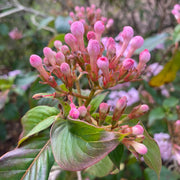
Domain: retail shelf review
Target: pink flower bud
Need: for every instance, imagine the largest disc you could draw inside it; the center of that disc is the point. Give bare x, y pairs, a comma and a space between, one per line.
35, 61
48, 52
94, 51
91, 35
121, 103
109, 23
144, 56
77, 29
93, 48
60, 58
57, 44
76, 8
135, 43
128, 64
15, 34
65, 69
139, 147
71, 41
103, 63
82, 111
104, 19
138, 111
99, 27
103, 108
65, 49
71, 14
119, 109
137, 129
127, 33
74, 113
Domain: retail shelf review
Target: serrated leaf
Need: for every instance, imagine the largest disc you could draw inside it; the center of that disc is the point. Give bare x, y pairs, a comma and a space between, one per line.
153, 157
96, 102
156, 114
116, 155
151, 43
77, 145
168, 73
31, 161
35, 116
102, 168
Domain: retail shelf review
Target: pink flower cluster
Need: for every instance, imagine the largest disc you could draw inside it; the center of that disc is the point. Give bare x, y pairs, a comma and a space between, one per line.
176, 12
104, 66
15, 34
89, 16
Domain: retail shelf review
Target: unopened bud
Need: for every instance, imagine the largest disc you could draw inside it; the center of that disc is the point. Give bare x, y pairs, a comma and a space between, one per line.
128, 64
103, 111
49, 54
60, 58
71, 40
65, 69
127, 33
35, 61
103, 63
138, 111
74, 113
57, 44
65, 49
137, 129
139, 147
82, 111
109, 23
77, 29
91, 35
119, 109
135, 43
144, 56
99, 27
103, 108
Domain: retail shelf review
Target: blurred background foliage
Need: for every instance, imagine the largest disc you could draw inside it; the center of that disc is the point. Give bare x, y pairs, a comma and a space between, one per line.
43, 21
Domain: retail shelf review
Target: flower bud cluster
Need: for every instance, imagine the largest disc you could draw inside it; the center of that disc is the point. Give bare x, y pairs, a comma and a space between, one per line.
90, 16
105, 65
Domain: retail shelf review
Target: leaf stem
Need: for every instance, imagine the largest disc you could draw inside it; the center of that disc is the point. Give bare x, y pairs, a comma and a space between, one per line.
90, 97
78, 87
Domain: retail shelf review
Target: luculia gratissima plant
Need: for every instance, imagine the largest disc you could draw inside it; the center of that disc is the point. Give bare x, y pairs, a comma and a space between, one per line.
83, 131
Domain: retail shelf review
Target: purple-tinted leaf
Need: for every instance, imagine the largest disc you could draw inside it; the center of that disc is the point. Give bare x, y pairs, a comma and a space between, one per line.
77, 145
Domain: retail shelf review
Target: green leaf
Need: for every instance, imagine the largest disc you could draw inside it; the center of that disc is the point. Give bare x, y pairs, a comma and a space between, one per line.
31, 161
170, 102
52, 102
4, 30
102, 168
168, 73
96, 102
62, 24
166, 174
153, 157
44, 124
152, 42
77, 145
40, 116
116, 155
156, 114
176, 34
59, 37
45, 22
